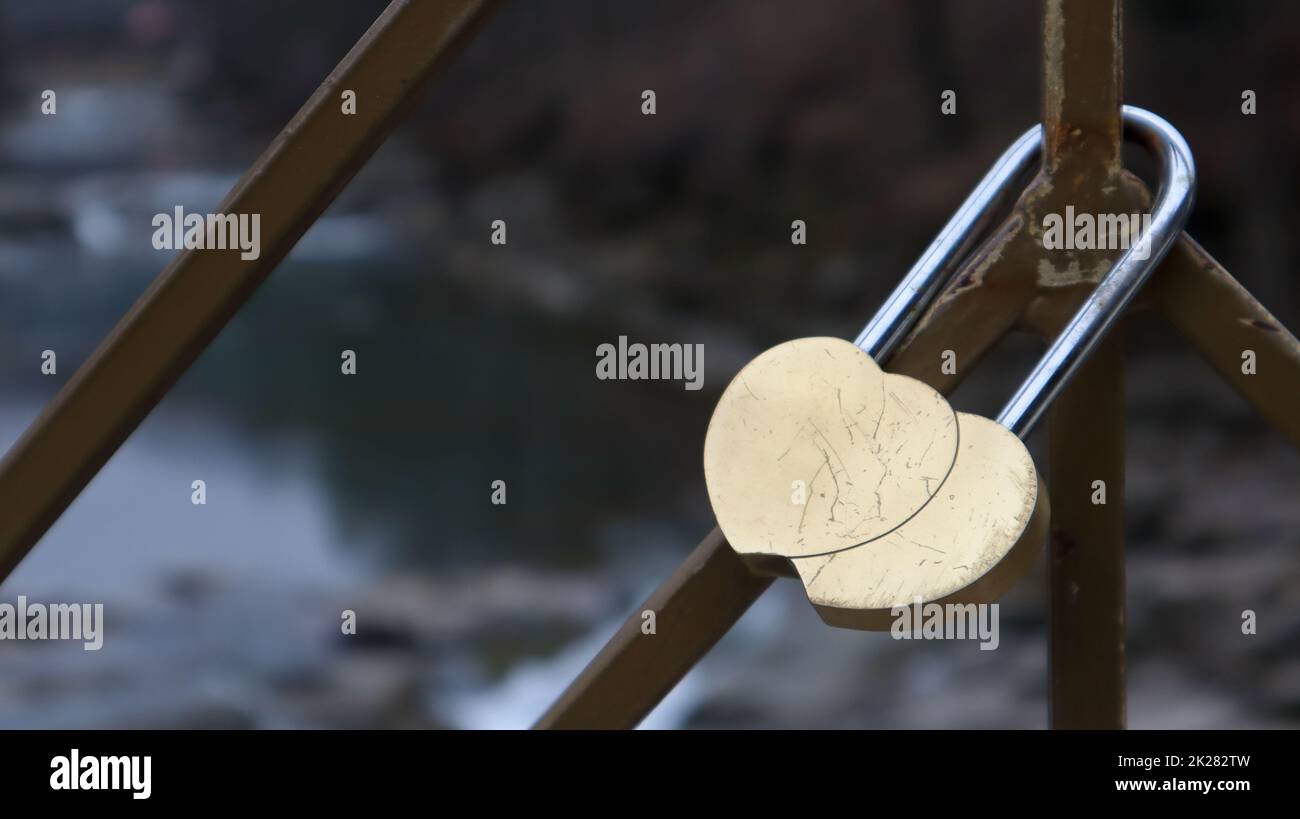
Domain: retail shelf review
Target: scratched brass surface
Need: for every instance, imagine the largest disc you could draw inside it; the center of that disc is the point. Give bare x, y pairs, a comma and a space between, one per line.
813, 449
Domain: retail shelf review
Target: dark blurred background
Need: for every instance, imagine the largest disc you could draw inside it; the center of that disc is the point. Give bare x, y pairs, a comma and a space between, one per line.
476, 363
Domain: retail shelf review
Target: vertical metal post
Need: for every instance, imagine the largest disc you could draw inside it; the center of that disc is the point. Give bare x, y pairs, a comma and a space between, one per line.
1082, 137
1082, 83
1221, 321
1086, 549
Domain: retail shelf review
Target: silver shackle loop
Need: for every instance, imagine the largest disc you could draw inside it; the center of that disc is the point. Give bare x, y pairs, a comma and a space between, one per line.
1094, 318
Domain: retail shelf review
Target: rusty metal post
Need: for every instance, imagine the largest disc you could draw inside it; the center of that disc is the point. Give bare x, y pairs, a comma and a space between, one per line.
1082, 87
1082, 76
290, 185
1086, 548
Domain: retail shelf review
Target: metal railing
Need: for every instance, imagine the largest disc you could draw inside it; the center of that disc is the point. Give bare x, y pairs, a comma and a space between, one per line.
1000, 286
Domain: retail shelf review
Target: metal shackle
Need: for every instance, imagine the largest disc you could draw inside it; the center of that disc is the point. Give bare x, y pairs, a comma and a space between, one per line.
1094, 318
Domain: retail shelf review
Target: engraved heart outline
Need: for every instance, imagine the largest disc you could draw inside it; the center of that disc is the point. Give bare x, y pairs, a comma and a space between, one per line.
995, 479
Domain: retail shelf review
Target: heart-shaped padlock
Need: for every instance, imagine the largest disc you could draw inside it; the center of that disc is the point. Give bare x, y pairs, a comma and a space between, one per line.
869, 484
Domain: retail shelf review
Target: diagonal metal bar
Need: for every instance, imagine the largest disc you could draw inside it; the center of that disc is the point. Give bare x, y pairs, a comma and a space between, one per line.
702, 600
1222, 320
290, 185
